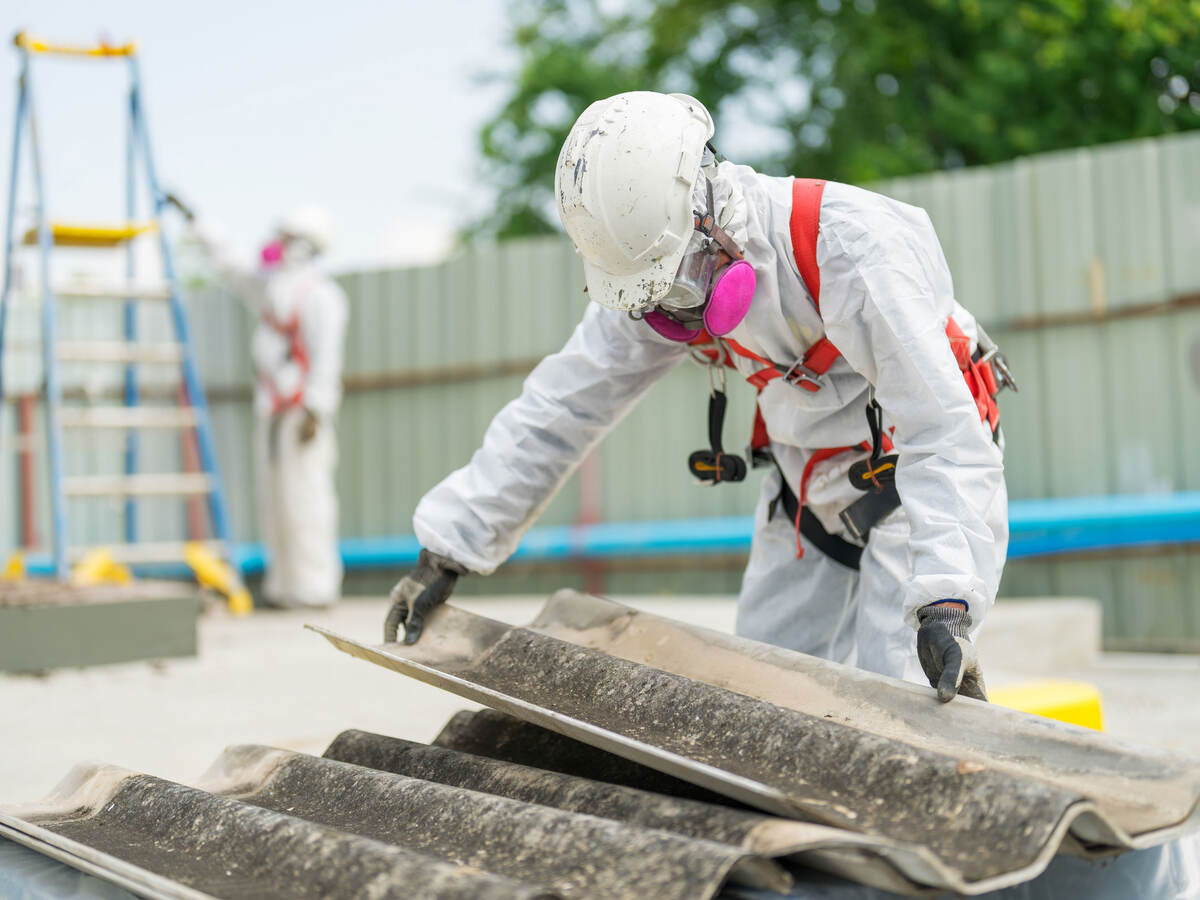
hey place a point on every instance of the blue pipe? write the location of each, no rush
(1038, 528)
(1127, 510)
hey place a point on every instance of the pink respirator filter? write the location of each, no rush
(730, 298)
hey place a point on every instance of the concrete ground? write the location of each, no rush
(266, 680)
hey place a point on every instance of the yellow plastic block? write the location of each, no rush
(35, 45)
(1067, 701)
(98, 567)
(213, 572)
(14, 569)
(68, 235)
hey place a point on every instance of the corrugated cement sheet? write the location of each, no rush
(965, 797)
(381, 817)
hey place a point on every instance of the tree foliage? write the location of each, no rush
(851, 90)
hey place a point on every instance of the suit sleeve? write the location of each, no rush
(886, 295)
(478, 514)
(245, 281)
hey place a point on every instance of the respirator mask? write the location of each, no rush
(697, 300)
(271, 254)
(286, 248)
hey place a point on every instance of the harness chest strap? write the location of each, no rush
(297, 353)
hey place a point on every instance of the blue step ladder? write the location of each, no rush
(188, 414)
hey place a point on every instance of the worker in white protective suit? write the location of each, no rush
(885, 513)
(297, 350)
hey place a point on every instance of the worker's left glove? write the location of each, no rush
(418, 592)
(308, 426)
(946, 653)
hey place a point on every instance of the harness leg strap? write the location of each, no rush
(868, 510)
(836, 548)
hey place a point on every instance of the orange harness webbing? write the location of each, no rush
(297, 352)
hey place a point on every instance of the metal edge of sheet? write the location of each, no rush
(110, 868)
(571, 611)
(917, 863)
(736, 786)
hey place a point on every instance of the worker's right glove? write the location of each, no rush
(429, 584)
(946, 653)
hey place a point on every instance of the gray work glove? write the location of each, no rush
(946, 653)
(414, 595)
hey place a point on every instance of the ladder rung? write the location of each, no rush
(142, 485)
(146, 552)
(65, 234)
(128, 417)
(118, 352)
(112, 292)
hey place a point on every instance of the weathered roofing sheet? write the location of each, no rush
(799, 843)
(965, 797)
(274, 823)
(162, 839)
(1138, 791)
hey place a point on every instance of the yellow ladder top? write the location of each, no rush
(99, 51)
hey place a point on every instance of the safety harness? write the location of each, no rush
(876, 475)
(297, 353)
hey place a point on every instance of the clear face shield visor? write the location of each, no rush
(693, 278)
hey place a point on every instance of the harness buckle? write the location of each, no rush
(716, 378)
(1004, 374)
(799, 374)
(990, 353)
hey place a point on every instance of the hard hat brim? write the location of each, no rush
(639, 291)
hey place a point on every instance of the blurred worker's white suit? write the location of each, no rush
(297, 350)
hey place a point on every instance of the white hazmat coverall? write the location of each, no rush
(297, 350)
(885, 298)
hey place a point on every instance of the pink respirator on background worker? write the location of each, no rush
(272, 254)
(695, 302)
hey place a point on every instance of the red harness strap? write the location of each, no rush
(297, 352)
(805, 225)
(980, 378)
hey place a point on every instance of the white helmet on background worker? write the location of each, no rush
(624, 185)
(309, 223)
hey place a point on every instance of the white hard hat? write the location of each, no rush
(624, 186)
(311, 223)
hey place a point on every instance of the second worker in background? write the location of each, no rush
(297, 350)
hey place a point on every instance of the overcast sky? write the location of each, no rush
(370, 109)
